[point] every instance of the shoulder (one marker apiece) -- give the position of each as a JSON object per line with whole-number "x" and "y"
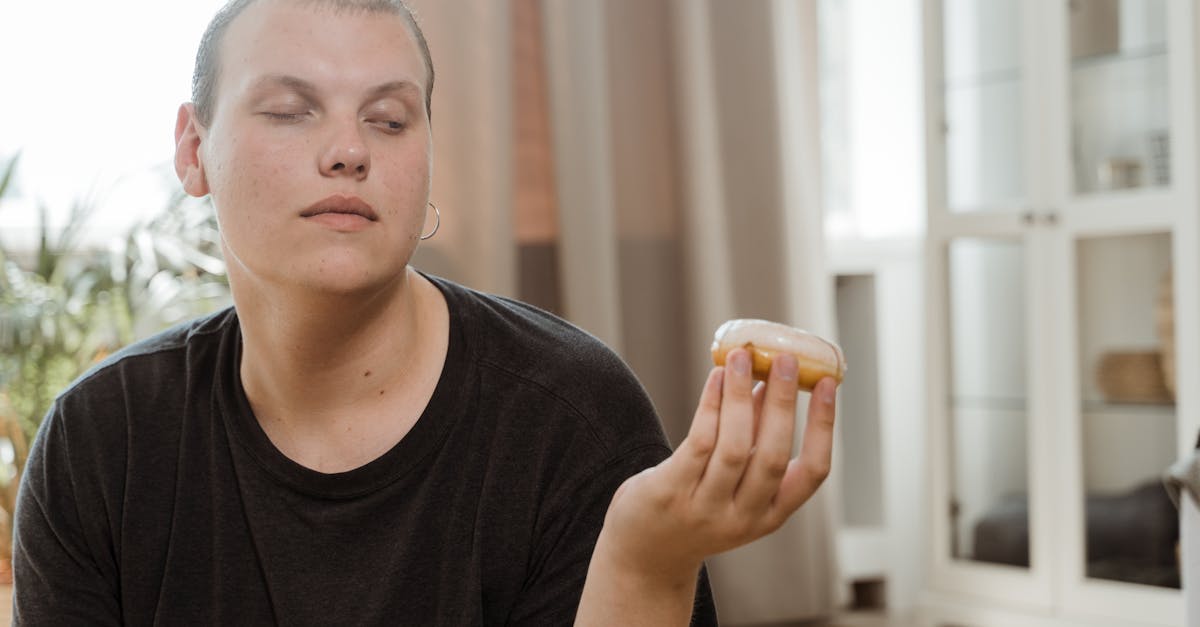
{"x": 536, "y": 352}
{"x": 130, "y": 401}
{"x": 141, "y": 378}
{"x": 525, "y": 338}
{"x": 151, "y": 359}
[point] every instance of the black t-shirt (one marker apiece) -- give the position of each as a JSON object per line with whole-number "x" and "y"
{"x": 153, "y": 497}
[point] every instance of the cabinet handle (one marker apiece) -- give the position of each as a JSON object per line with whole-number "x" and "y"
{"x": 1031, "y": 218}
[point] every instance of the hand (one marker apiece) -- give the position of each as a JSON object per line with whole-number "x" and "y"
{"x": 731, "y": 481}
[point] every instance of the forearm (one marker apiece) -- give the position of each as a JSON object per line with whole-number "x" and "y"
{"x": 619, "y": 593}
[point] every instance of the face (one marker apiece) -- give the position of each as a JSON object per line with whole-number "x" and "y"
{"x": 318, "y": 157}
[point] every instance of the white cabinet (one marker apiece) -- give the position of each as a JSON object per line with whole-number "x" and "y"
{"x": 879, "y": 462}
{"x": 1063, "y": 293}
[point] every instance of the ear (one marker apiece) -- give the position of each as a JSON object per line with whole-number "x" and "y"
{"x": 188, "y": 165}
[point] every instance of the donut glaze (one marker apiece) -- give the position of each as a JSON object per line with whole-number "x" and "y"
{"x": 817, "y": 357}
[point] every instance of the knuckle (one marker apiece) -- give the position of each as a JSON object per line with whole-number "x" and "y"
{"x": 774, "y": 520}
{"x": 736, "y": 527}
{"x": 662, "y": 499}
{"x": 743, "y": 527}
{"x": 818, "y": 469}
{"x": 775, "y": 465}
{"x": 734, "y": 456}
{"x": 739, "y": 393}
{"x": 702, "y": 444}
{"x": 702, "y": 519}
{"x": 782, "y": 397}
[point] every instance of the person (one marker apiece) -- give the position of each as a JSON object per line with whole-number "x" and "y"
{"x": 354, "y": 441}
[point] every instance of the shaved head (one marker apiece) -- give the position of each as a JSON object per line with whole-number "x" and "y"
{"x": 208, "y": 57}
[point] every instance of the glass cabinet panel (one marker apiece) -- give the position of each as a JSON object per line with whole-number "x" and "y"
{"x": 983, "y": 91}
{"x": 1119, "y": 94}
{"x": 1126, "y": 360}
{"x": 989, "y": 506}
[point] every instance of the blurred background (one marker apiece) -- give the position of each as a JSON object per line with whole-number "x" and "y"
{"x": 990, "y": 204}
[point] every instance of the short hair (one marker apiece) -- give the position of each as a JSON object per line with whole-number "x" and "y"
{"x": 204, "y": 80}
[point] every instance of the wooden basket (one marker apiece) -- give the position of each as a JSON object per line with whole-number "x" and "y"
{"x": 1132, "y": 377}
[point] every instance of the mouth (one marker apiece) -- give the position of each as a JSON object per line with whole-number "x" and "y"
{"x": 343, "y": 205}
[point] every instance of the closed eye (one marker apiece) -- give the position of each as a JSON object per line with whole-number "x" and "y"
{"x": 284, "y": 117}
{"x": 389, "y": 126}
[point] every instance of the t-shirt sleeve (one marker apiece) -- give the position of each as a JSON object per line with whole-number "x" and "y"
{"x": 57, "y": 579}
{"x": 567, "y": 537}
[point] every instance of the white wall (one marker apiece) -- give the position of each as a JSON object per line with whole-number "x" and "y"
{"x": 858, "y": 403}
{"x": 884, "y": 172}
{"x": 887, "y": 420}
{"x": 874, "y": 219}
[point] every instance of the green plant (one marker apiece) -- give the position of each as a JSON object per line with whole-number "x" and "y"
{"x": 77, "y": 303}
{"x": 71, "y": 303}
{"x": 50, "y": 319}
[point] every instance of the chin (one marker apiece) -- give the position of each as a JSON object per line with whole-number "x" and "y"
{"x": 342, "y": 270}
{"x": 352, "y": 278}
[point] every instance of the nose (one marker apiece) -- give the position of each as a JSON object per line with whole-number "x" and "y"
{"x": 346, "y": 155}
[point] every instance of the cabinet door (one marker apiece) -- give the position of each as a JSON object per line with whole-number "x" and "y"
{"x": 989, "y": 518}
{"x": 1121, "y": 229}
{"x": 1117, "y": 424}
{"x": 985, "y": 395}
{"x": 988, "y": 402}
{"x": 1118, "y": 58}
{"x": 1126, "y": 407}
{"x": 1120, "y": 217}
{"x": 980, "y": 86}
{"x": 1066, "y": 191}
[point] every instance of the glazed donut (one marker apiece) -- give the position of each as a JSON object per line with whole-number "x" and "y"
{"x": 817, "y": 357}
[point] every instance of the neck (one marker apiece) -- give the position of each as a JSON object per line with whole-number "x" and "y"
{"x": 312, "y": 358}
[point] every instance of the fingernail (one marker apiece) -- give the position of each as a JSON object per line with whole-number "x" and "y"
{"x": 740, "y": 362}
{"x": 786, "y": 367}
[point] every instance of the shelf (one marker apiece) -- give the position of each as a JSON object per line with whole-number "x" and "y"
{"x": 1158, "y": 410}
{"x": 1154, "y": 52}
{"x": 987, "y": 403}
{"x": 1165, "y": 410}
{"x": 1009, "y": 76}
{"x": 1013, "y": 75}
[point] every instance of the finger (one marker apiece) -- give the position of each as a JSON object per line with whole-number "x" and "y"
{"x": 773, "y": 444}
{"x": 759, "y": 395}
{"x": 806, "y": 473}
{"x": 735, "y": 432}
{"x": 687, "y": 464}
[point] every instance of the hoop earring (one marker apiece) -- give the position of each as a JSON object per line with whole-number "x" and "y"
{"x": 437, "y": 225}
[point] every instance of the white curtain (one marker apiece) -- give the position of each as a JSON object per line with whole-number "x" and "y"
{"x": 685, "y": 169}
{"x": 686, "y": 137}
{"x": 472, "y": 136}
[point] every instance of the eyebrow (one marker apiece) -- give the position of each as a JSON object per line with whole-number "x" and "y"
{"x": 393, "y": 86}
{"x": 284, "y": 80}
{"x": 304, "y": 87}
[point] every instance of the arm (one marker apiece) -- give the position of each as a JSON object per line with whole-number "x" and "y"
{"x": 730, "y": 482}
{"x": 57, "y": 580}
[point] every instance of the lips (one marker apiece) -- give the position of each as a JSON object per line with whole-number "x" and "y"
{"x": 337, "y": 204}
